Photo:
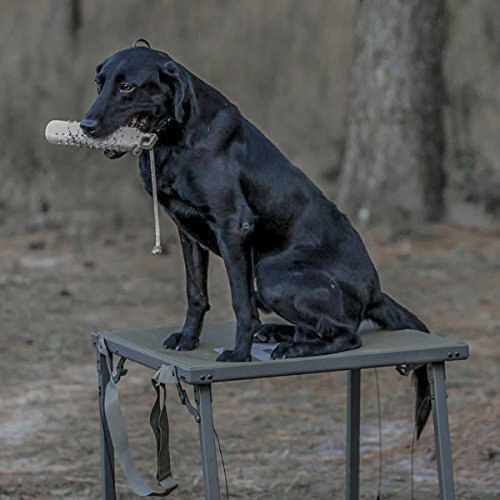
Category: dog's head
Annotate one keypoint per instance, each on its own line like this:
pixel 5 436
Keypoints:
pixel 138 87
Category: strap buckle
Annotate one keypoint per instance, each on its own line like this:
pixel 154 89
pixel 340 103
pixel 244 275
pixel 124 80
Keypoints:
pixel 184 398
pixel 148 140
pixel 167 374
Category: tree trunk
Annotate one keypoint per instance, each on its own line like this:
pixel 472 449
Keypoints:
pixel 392 169
pixel 75 23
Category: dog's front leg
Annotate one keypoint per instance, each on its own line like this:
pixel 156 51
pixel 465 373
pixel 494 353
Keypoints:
pixel 196 264
pixel 236 251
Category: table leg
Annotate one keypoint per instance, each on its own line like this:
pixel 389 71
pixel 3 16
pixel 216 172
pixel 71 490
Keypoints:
pixel 353 430
pixel 203 395
pixel 441 431
pixel 107 453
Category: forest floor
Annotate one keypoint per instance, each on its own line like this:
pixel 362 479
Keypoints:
pixel 282 438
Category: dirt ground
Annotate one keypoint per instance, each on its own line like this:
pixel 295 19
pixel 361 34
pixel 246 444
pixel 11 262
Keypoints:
pixel 281 438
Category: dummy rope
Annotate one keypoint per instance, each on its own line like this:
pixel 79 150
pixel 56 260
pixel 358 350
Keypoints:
pixel 157 248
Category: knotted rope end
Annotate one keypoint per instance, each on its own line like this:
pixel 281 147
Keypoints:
pixel 157 250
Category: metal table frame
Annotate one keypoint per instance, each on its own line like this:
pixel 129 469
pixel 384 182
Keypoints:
pixel 199 368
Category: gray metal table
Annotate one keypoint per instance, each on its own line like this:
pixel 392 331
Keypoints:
pixel 199 368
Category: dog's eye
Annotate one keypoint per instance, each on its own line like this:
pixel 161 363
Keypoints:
pixel 99 86
pixel 126 87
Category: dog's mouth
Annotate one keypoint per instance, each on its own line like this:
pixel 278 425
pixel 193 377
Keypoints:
pixel 142 121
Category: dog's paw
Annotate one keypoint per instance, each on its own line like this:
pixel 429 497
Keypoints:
pixel 271 332
pixel 231 356
pixel 263 335
pixel 180 342
pixel 286 350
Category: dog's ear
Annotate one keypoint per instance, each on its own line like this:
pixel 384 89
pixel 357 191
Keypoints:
pixel 174 76
pixel 98 69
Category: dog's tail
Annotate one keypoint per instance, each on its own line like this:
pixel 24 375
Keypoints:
pixel 393 316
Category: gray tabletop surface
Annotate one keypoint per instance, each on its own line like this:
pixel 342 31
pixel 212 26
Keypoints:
pixel 199 366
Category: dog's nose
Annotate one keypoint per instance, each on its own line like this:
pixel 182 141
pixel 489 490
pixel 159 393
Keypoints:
pixel 88 126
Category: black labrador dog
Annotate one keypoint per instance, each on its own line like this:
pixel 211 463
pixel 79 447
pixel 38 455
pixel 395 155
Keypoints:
pixel 229 190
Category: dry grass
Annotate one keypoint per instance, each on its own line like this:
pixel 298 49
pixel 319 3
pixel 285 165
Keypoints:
pixel 283 438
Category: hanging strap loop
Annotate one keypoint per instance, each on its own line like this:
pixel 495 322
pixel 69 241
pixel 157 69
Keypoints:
pixel 119 437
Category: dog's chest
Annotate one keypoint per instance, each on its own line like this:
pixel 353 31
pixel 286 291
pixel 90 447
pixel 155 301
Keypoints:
pixel 178 199
pixel 189 219
pixel 173 190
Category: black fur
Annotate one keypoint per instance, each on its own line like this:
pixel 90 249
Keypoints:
pixel 286 247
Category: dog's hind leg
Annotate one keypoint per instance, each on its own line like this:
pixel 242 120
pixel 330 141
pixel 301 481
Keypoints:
pixel 325 318
pixel 298 342
pixel 313 345
pixel 274 332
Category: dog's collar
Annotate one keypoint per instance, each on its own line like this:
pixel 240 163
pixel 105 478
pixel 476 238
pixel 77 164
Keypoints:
pixel 163 123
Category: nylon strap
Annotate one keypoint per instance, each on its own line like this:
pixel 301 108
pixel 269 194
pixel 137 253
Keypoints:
pixel 119 437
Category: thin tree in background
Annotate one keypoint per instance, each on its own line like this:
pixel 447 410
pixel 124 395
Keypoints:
pixel 75 22
pixel 392 169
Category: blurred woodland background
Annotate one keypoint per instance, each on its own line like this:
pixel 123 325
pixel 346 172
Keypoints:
pixel 391 106
pixel 286 63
